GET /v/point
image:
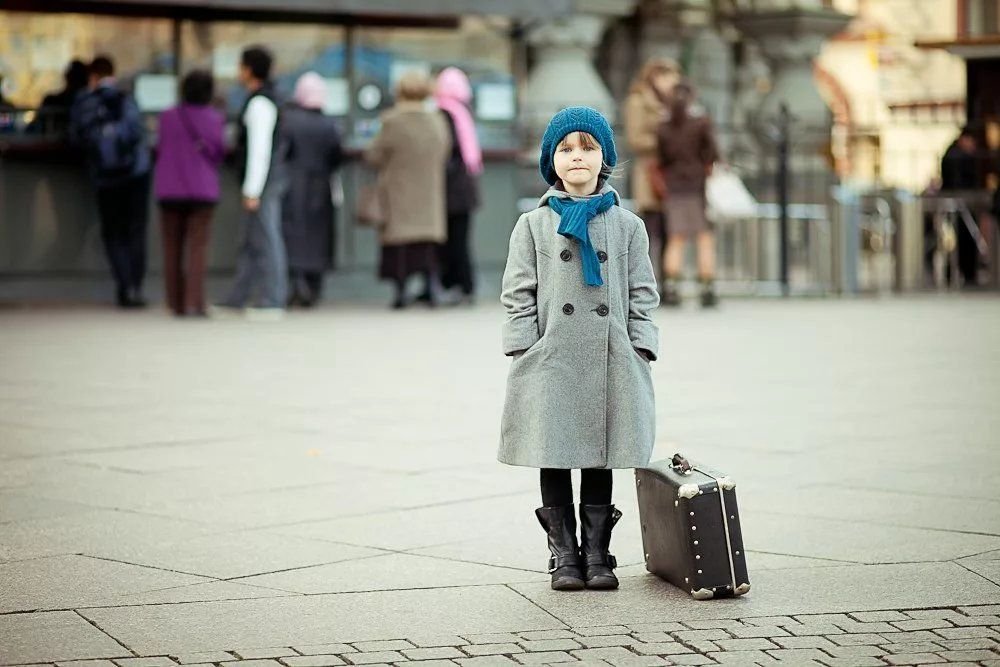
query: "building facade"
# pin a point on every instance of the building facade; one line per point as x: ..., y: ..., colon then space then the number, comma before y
x: 747, y: 58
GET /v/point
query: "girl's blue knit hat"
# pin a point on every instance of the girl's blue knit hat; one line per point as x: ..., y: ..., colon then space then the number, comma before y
x: 575, y: 119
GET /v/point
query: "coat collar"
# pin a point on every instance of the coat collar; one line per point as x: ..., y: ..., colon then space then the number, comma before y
x: 555, y: 192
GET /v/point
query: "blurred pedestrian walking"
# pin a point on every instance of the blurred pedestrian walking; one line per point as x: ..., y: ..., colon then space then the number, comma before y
x: 960, y: 173
x: 189, y: 152
x: 462, y: 195
x: 53, y: 114
x: 410, y: 152
x: 261, y: 283
x: 645, y: 110
x: 5, y: 104
x: 687, y: 149
x: 309, y: 150
x: 105, y: 122
x: 579, y: 290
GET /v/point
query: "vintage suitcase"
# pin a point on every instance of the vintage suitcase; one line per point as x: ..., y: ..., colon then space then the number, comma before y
x: 691, y: 528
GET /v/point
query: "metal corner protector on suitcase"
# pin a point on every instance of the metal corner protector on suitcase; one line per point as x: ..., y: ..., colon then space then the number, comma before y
x: 691, y: 533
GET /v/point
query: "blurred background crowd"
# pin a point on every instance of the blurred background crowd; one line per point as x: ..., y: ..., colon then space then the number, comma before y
x: 865, y: 135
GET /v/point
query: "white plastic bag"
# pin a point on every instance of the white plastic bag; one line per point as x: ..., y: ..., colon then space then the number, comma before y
x: 727, y: 198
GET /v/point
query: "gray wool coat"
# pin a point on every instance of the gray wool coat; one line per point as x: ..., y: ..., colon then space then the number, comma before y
x: 581, y: 394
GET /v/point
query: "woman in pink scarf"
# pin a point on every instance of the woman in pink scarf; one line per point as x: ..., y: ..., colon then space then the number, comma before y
x: 453, y: 95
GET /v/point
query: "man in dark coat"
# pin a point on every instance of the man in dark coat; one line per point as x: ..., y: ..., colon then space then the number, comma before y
x: 959, y: 172
x: 53, y: 114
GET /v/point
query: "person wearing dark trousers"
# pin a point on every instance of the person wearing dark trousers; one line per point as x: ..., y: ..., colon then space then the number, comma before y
x: 260, y: 288
x: 186, y: 181
x: 309, y: 151
x: 959, y: 172
x: 105, y: 122
x: 462, y: 196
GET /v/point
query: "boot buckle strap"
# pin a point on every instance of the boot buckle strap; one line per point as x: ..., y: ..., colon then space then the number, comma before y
x: 557, y: 562
x: 602, y: 559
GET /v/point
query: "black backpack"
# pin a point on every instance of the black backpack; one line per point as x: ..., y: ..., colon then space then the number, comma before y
x: 115, y: 136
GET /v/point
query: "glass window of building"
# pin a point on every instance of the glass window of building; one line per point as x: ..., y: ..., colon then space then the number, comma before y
x: 481, y: 47
x: 982, y: 18
x: 36, y: 48
x: 298, y: 48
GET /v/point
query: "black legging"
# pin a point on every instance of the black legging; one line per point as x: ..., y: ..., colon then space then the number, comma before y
x: 557, y: 487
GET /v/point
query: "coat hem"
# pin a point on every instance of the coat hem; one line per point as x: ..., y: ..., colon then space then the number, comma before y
x: 540, y: 466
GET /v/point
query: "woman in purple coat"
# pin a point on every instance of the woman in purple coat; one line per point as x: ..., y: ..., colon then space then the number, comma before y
x: 189, y: 152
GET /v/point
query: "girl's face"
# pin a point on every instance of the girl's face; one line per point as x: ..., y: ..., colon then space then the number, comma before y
x: 578, y: 162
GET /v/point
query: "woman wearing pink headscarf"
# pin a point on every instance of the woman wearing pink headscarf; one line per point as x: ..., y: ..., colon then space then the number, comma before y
x: 309, y: 152
x: 453, y: 95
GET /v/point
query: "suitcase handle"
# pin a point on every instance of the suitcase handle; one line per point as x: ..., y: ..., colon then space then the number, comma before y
x: 681, y: 464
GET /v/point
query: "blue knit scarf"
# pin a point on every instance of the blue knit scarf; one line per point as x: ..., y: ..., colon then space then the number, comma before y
x: 574, y: 214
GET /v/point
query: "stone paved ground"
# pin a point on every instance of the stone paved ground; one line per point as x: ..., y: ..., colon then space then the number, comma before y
x: 963, y: 636
x: 204, y: 492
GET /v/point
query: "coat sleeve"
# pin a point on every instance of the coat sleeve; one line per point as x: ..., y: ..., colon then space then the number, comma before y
x: 377, y: 153
x: 519, y: 294
x: 216, y: 139
x: 446, y: 138
x: 663, y: 145
x: 642, y: 295
x: 710, y: 149
x: 638, y: 137
x: 335, y: 152
x: 76, y: 122
x: 261, y: 118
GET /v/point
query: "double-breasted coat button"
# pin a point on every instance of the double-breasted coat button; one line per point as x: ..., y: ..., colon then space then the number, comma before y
x: 602, y: 256
x: 568, y: 309
x: 565, y: 255
x: 602, y: 310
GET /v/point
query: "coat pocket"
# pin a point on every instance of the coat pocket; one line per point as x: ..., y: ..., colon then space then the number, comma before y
x: 530, y: 350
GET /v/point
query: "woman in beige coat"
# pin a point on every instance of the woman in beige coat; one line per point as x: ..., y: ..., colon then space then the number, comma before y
x: 410, y: 152
x: 645, y: 109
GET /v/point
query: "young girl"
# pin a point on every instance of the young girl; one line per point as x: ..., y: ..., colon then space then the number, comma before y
x: 578, y: 290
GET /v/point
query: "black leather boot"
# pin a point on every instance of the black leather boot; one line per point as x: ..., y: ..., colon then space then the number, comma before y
x: 708, y: 295
x: 596, y: 524
x: 564, y: 566
x: 670, y: 295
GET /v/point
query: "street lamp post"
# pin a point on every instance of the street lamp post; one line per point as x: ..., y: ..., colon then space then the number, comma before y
x: 784, y: 121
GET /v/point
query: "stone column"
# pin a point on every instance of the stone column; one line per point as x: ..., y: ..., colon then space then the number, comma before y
x: 789, y: 35
x: 684, y: 31
x: 666, y: 26
x: 564, y: 74
x: 790, y: 39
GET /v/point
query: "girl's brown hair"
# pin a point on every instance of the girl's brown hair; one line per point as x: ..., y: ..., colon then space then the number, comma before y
x: 586, y: 140
x: 653, y: 68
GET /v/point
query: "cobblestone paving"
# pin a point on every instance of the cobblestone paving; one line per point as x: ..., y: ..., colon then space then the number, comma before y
x: 954, y: 636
